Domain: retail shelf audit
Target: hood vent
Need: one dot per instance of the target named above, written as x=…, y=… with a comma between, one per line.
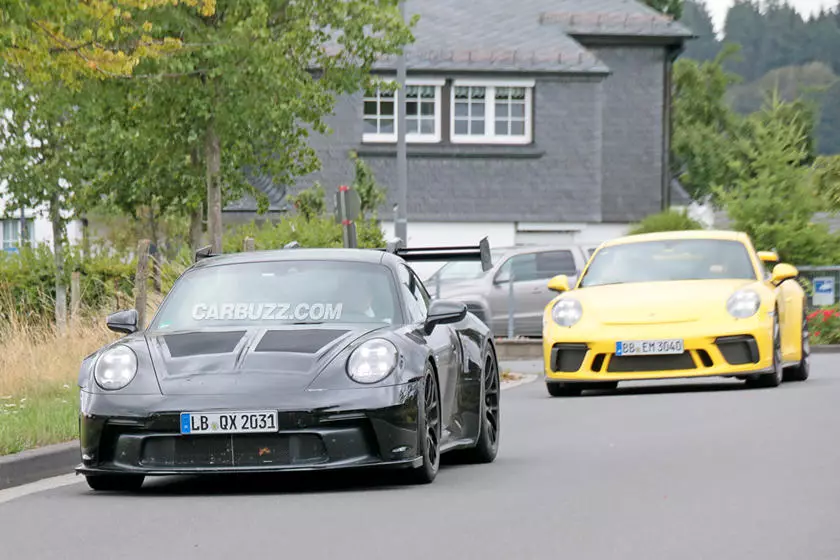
x=202, y=343
x=307, y=341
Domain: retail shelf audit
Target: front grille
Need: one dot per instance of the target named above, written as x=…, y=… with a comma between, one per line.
x=625, y=364
x=738, y=350
x=568, y=357
x=239, y=450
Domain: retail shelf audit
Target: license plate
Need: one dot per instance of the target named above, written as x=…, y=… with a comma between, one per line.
x=648, y=347
x=245, y=422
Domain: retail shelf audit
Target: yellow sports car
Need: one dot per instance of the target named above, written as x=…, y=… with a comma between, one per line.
x=676, y=305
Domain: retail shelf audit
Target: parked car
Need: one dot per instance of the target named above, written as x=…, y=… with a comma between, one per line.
x=693, y=304
x=488, y=293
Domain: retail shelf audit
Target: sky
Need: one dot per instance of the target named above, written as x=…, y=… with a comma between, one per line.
x=718, y=8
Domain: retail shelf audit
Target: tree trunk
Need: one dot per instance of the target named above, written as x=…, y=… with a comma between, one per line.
x=156, y=253
x=196, y=228
x=213, y=157
x=58, y=254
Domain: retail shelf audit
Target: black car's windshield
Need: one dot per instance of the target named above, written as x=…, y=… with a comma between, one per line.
x=280, y=292
x=658, y=261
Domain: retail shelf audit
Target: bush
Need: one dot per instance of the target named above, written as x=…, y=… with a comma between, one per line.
x=668, y=220
x=314, y=232
x=824, y=326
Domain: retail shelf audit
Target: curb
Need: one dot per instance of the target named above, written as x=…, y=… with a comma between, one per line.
x=825, y=349
x=54, y=460
x=35, y=464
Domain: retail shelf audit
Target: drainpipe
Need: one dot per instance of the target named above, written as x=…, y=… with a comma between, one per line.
x=672, y=52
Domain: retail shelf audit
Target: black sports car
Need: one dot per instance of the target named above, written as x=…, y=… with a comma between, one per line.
x=293, y=359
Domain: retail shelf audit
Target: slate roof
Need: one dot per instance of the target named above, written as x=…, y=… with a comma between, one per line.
x=247, y=203
x=522, y=35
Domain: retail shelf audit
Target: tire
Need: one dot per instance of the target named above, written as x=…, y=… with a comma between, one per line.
x=115, y=482
x=430, y=431
x=487, y=444
x=563, y=390
x=777, y=377
x=802, y=370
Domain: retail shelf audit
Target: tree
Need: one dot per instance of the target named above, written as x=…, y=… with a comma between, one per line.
x=704, y=125
x=364, y=182
x=667, y=220
x=68, y=39
x=671, y=8
x=773, y=197
x=37, y=135
x=696, y=17
x=251, y=83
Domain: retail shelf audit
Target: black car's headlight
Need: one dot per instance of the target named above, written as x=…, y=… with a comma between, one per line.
x=373, y=361
x=115, y=368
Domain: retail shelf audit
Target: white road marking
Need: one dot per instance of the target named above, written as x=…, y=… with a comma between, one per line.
x=10, y=494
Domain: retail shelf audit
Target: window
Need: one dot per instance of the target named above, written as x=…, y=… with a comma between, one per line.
x=11, y=233
x=416, y=300
x=422, y=113
x=491, y=112
x=538, y=266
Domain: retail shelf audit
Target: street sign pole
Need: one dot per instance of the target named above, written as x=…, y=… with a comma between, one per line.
x=401, y=217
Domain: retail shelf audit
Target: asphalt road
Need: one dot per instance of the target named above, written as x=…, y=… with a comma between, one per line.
x=670, y=471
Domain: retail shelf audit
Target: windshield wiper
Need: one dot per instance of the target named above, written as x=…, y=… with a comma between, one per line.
x=308, y=323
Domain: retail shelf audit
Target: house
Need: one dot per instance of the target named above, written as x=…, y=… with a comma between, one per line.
x=38, y=228
x=530, y=121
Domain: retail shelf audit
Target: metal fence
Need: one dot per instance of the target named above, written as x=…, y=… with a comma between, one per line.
x=820, y=284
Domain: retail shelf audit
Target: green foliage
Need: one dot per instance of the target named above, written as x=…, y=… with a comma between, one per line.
x=364, y=182
x=315, y=231
x=696, y=17
x=668, y=220
x=70, y=40
x=310, y=203
x=704, y=126
x=773, y=196
x=826, y=171
x=673, y=8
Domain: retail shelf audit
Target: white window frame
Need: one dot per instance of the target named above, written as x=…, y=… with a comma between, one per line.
x=490, y=136
x=16, y=240
x=413, y=138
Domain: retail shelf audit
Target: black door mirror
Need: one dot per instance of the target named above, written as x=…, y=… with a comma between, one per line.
x=123, y=321
x=443, y=312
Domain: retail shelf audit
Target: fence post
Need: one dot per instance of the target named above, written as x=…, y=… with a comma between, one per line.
x=511, y=305
x=140, y=282
x=248, y=244
x=75, y=299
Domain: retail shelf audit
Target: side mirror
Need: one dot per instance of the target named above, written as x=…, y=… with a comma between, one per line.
x=559, y=283
x=782, y=272
x=443, y=312
x=123, y=321
x=768, y=256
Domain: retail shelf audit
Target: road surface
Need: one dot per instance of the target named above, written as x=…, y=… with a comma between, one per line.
x=653, y=471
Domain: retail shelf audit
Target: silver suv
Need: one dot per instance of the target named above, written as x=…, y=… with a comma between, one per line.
x=490, y=295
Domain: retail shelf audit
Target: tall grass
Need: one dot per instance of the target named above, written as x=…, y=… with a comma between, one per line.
x=39, y=367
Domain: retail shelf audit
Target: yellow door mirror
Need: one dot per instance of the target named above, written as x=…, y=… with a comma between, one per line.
x=782, y=272
x=768, y=256
x=559, y=283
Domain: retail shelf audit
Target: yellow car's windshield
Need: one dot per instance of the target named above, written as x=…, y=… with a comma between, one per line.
x=670, y=260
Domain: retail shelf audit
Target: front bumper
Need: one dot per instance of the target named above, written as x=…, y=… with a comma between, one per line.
x=739, y=348
x=378, y=428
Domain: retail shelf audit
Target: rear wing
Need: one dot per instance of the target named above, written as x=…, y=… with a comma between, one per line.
x=480, y=252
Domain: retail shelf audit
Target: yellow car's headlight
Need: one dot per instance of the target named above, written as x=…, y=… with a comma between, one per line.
x=743, y=304
x=566, y=312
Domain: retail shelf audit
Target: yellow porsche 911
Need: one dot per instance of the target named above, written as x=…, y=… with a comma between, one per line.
x=676, y=305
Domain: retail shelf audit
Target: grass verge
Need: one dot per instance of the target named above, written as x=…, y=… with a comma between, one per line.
x=39, y=394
